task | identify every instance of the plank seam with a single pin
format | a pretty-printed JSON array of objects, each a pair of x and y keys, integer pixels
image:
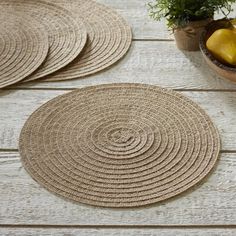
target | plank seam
[
  {"x": 152, "y": 40},
  {"x": 120, "y": 226},
  {"x": 8, "y": 150},
  {"x": 73, "y": 88},
  {"x": 16, "y": 150}
]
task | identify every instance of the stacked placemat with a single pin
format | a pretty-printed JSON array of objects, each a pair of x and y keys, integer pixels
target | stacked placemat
[
  {"x": 58, "y": 40},
  {"x": 23, "y": 47}
]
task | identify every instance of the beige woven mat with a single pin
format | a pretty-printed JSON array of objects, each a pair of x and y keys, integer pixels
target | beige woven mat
[
  {"x": 67, "y": 36},
  {"x": 23, "y": 47},
  {"x": 119, "y": 145},
  {"x": 109, "y": 38}
]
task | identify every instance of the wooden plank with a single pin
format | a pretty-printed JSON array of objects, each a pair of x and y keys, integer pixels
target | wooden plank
[
  {"x": 159, "y": 63},
  {"x": 136, "y": 13},
  {"x": 17, "y": 105},
  {"x": 23, "y": 201},
  {"x": 117, "y": 232}
]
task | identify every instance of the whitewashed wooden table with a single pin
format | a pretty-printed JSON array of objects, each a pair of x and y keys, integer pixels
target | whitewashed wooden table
[{"x": 208, "y": 209}]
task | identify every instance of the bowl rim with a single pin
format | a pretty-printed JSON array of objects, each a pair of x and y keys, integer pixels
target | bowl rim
[{"x": 207, "y": 53}]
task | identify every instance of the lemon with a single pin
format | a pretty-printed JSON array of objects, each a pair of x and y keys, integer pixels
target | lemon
[{"x": 222, "y": 44}]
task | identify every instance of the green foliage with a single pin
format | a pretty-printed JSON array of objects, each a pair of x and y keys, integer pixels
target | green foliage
[{"x": 179, "y": 12}]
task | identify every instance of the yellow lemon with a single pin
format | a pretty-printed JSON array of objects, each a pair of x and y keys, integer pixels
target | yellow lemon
[{"x": 222, "y": 44}]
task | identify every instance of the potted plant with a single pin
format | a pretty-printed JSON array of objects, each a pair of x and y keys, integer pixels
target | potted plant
[{"x": 188, "y": 18}]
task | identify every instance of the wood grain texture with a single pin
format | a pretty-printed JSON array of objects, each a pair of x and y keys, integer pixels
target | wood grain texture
[
  {"x": 117, "y": 232},
  {"x": 23, "y": 201},
  {"x": 152, "y": 59},
  {"x": 136, "y": 13},
  {"x": 17, "y": 105},
  {"x": 153, "y": 62},
  {"x": 159, "y": 63}
]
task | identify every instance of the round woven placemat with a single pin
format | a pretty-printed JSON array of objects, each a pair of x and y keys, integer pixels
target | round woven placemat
[
  {"x": 109, "y": 38},
  {"x": 67, "y": 36},
  {"x": 119, "y": 145},
  {"x": 23, "y": 47}
]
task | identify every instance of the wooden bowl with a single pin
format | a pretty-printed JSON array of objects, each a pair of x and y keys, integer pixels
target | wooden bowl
[{"x": 225, "y": 71}]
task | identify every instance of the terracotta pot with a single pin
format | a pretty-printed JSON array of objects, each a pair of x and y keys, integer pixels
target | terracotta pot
[{"x": 187, "y": 38}]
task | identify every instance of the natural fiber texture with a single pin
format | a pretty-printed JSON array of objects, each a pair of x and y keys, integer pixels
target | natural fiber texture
[
  {"x": 23, "y": 47},
  {"x": 67, "y": 37},
  {"x": 109, "y": 38},
  {"x": 119, "y": 145}
]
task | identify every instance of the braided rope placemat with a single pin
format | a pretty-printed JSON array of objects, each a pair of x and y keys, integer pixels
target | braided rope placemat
[
  {"x": 67, "y": 36},
  {"x": 109, "y": 38},
  {"x": 23, "y": 47},
  {"x": 119, "y": 145}
]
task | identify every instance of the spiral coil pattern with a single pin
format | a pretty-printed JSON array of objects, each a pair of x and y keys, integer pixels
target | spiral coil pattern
[
  {"x": 67, "y": 37},
  {"x": 119, "y": 145},
  {"x": 109, "y": 39},
  {"x": 23, "y": 47}
]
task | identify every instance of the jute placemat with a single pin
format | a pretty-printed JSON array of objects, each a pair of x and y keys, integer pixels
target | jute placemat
[
  {"x": 119, "y": 145},
  {"x": 67, "y": 36},
  {"x": 109, "y": 38},
  {"x": 23, "y": 47}
]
